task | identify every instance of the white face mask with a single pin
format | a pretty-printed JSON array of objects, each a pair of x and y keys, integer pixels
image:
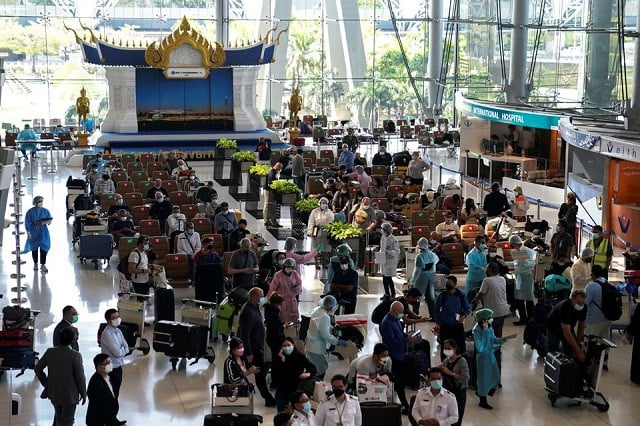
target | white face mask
[
  {"x": 108, "y": 368},
  {"x": 116, "y": 322},
  {"x": 448, "y": 352},
  {"x": 344, "y": 266},
  {"x": 384, "y": 360}
]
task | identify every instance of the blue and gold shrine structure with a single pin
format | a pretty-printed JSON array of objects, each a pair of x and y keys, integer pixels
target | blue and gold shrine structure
[{"x": 181, "y": 92}]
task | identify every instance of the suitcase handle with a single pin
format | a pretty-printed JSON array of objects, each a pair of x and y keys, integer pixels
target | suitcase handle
[
  {"x": 146, "y": 297},
  {"x": 199, "y": 303}
]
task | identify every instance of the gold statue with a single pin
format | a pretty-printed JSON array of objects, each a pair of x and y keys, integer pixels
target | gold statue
[
  {"x": 295, "y": 105},
  {"x": 82, "y": 107}
]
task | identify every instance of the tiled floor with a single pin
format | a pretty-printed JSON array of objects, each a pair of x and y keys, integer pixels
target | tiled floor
[{"x": 152, "y": 392}]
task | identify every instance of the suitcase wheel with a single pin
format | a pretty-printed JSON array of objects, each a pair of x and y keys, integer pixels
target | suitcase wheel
[
  {"x": 552, "y": 399},
  {"x": 174, "y": 362},
  {"x": 210, "y": 358}
]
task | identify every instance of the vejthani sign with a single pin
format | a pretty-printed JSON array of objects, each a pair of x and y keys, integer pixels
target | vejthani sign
[{"x": 510, "y": 116}]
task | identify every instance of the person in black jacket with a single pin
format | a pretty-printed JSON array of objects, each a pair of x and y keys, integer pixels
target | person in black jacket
[
  {"x": 252, "y": 333},
  {"x": 273, "y": 324},
  {"x": 495, "y": 202},
  {"x": 289, "y": 367},
  {"x": 235, "y": 371},
  {"x": 103, "y": 406}
]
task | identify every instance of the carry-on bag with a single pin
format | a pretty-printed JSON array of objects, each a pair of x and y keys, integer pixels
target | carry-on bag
[
  {"x": 232, "y": 419},
  {"x": 164, "y": 304},
  {"x": 96, "y": 247},
  {"x": 21, "y": 338},
  {"x": 224, "y": 317},
  {"x": 561, "y": 375},
  {"x": 415, "y": 364},
  {"x": 180, "y": 340},
  {"x": 388, "y": 415}
]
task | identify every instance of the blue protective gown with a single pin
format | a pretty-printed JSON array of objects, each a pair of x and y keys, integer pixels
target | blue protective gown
[
  {"x": 487, "y": 365},
  {"x": 421, "y": 279},
  {"x": 524, "y": 275},
  {"x": 39, "y": 230},
  {"x": 476, "y": 262}
]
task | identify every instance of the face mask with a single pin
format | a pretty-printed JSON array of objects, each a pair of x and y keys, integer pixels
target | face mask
[
  {"x": 262, "y": 301},
  {"x": 281, "y": 262},
  {"x": 343, "y": 191},
  {"x": 116, "y": 322},
  {"x": 492, "y": 255},
  {"x": 557, "y": 229},
  {"x": 74, "y": 319},
  {"x": 160, "y": 200},
  {"x": 306, "y": 407},
  {"x": 108, "y": 368},
  {"x": 146, "y": 247},
  {"x": 239, "y": 351},
  {"x": 120, "y": 202},
  {"x": 400, "y": 195},
  {"x": 448, "y": 352},
  {"x": 190, "y": 231},
  {"x": 123, "y": 218},
  {"x": 578, "y": 307},
  {"x": 490, "y": 320},
  {"x": 436, "y": 384},
  {"x": 407, "y": 182},
  {"x": 287, "y": 350},
  {"x": 338, "y": 392},
  {"x": 384, "y": 360},
  {"x": 596, "y": 235},
  {"x": 39, "y": 205},
  {"x": 400, "y": 315},
  {"x": 324, "y": 206},
  {"x": 344, "y": 266},
  {"x": 367, "y": 207},
  {"x": 482, "y": 246}
]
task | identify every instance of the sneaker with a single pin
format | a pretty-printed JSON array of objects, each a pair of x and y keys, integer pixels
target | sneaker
[{"x": 43, "y": 269}]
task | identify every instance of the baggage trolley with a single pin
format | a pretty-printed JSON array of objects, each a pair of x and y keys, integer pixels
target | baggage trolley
[
  {"x": 132, "y": 308},
  {"x": 237, "y": 399},
  {"x": 17, "y": 346},
  {"x": 596, "y": 348},
  {"x": 181, "y": 340},
  {"x": 200, "y": 312}
]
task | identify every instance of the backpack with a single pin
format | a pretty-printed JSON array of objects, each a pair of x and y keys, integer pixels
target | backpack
[
  {"x": 378, "y": 313},
  {"x": 82, "y": 202},
  {"x": 123, "y": 265},
  {"x": 16, "y": 317},
  {"x": 554, "y": 283},
  {"x": 611, "y": 301},
  {"x": 401, "y": 158}
]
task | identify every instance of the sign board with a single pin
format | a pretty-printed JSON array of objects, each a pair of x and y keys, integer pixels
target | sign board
[{"x": 508, "y": 115}]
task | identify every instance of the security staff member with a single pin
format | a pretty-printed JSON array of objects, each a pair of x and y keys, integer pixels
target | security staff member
[{"x": 340, "y": 409}]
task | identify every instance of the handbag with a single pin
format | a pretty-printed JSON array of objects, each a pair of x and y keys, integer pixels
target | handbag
[
  {"x": 160, "y": 278},
  {"x": 227, "y": 395},
  {"x": 315, "y": 231}
]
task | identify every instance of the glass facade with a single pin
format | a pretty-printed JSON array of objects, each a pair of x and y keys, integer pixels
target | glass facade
[{"x": 359, "y": 60}]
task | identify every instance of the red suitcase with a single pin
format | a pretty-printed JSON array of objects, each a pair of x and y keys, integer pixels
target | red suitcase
[{"x": 22, "y": 338}]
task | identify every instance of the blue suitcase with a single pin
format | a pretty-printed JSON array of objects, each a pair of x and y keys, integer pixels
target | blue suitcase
[
  {"x": 18, "y": 358},
  {"x": 96, "y": 247}
]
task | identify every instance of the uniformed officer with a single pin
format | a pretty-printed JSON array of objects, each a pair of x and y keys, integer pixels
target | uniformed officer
[
  {"x": 435, "y": 405},
  {"x": 302, "y": 414},
  {"x": 340, "y": 409}
]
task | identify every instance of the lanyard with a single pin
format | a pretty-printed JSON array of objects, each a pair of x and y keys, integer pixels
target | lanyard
[{"x": 344, "y": 406}]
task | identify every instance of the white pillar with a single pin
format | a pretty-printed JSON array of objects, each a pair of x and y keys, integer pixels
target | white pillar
[
  {"x": 246, "y": 116},
  {"x": 121, "y": 115}
]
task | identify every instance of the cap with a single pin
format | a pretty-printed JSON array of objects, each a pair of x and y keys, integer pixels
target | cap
[
  {"x": 587, "y": 252},
  {"x": 484, "y": 314},
  {"x": 514, "y": 239},
  {"x": 343, "y": 250},
  {"x": 289, "y": 262},
  {"x": 329, "y": 302},
  {"x": 387, "y": 227}
]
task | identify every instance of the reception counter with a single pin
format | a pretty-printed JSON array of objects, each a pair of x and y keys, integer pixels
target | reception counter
[{"x": 495, "y": 167}]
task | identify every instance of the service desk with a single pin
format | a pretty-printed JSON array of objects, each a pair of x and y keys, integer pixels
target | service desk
[{"x": 495, "y": 167}]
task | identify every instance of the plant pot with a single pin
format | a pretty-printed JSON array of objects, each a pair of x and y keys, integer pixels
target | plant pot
[
  {"x": 256, "y": 183},
  {"x": 294, "y": 132},
  {"x": 225, "y": 154},
  {"x": 287, "y": 199},
  {"x": 246, "y": 165},
  {"x": 303, "y": 217}
]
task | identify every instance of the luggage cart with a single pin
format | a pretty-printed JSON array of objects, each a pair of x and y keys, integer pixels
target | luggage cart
[
  {"x": 236, "y": 399},
  {"x": 132, "y": 308},
  {"x": 17, "y": 346},
  {"x": 200, "y": 312}
]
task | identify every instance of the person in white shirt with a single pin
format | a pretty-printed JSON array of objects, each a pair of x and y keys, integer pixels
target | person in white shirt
[
  {"x": 376, "y": 366},
  {"x": 175, "y": 221},
  {"x": 113, "y": 343},
  {"x": 302, "y": 414},
  {"x": 581, "y": 270},
  {"x": 434, "y": 405},
  {"x": 189, "y": 243},
  {"x": 506, "y": 223},
  {"x": 341, "y": 409},
  {"x": 449, "y": 231}
]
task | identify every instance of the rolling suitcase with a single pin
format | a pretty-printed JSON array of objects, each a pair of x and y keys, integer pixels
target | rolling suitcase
[
  {"x": 180, "y": 340},
  {"x": 129, "y": 331},
  {"x": 96, "y": 247},
  {"x": 21, "y": 338},
  {"x": 388, "y": 415},
  {"x": 18, "y": 357},
  {"x": 415, "y": 363},
  {"x": 224, "y": 317},
  {"x": 164, "y": 304},
  {"x": 561, "y": 375},
  {"x": 232, "y": 420}
]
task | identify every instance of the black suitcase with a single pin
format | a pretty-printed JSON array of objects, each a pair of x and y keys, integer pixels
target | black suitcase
[
  {"x": 415, "y": 364},
  {"x": 129, "y": 331},
  {"x": 561, "y": 375},
  {"x": 232, "y": 420},
  {"x": 180, "y": 339},
  {"x": 388, "y": 415},
  {"x": 96, "y": 246},
  {"x": 164, "y": 304}
]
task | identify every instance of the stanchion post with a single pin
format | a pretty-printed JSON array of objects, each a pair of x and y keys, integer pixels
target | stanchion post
[
  {"x": 51, "y": 166},
  {"x": 538, "y": 209},
  {"x": 31, "y": 177},
  {"x": 440, "y": 174}
]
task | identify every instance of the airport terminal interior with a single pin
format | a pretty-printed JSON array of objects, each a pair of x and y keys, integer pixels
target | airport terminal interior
[{"x": 562, "y": 73}]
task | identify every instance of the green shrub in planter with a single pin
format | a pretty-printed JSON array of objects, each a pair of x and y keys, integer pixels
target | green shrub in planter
[
  {"x": 342, "y": 231},
  {"x": 285, "y": 187},
  {"x": 224, "y": 143},
  {"x": 307, "y": 206},
  {"x": 243, "y": 156},
  {"x": 259, "y": 169}
]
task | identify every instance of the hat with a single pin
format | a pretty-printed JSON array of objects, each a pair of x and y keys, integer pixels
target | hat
[
  {"x": 518, "y": 189},
  {"x": 587, "y": 252},
  {"x": 514, "y": 239},
  {"x": 423, "y": 243},
  {"x": 387, "y": 227},
  {"x": 484, "y": 314},
  {"x": 343, "y": 250},
  {"x": 329, "y": 302}
]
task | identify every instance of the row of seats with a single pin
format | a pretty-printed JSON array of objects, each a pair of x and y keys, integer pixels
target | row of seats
[{"x": 152, "y": 226}]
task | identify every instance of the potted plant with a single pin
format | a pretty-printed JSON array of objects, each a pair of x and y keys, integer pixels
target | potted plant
[
  {"x": 257, "y": 176},
  {"x": 304, "y": 208},
  {"x": 286, "y": 192},
  {"x": 245, "y": 158},
  {"x": 339, "y": 233},
  {"x": 225, "y": 148}
]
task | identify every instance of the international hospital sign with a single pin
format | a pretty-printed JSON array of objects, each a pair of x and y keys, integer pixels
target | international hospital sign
[{"x": 509, "y": 116}]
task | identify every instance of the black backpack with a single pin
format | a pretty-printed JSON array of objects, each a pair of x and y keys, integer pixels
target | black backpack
[
  {"x": 611, "y": 301},
  {"x": 82, "y": 202},
  {"x": 378, "y": 313},
  {"x": 401, "y": 158},
  {"x": 123, "y": 265}
]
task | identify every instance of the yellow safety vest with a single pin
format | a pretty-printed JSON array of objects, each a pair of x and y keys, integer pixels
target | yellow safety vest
[{"x": 600, "y": 253}]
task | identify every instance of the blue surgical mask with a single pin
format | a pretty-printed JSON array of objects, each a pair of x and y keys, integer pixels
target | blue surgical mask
[
  {"x": 120, "y": 202},
  {"x": 596, "y": 235},
  {"x": 324, "y": 206},
  {"x": 400, "y": 316},
  {"x": 287, "y": 350},
  {"x": 146, "y": 247},
  {"x": 482, "y": 246},
  {"x": 306, "y": 407},
  {"x": 436, "y": 384},
  {"x": 262, "y": 301},
  {"x": 190, "y": 231}
]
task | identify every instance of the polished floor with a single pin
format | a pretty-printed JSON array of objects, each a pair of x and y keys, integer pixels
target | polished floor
[{"x": 153, "y": 393}]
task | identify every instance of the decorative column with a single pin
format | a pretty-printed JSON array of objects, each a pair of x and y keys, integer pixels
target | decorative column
[
  {"x": 436, "y": 26},
  {"x": 516, "y": 90},
  {"x": 121, "y": 115},
  {"x": 599, "y": 84},
  {"x": 632, "y": 120},
  {"x": 222, "y": 22},
  {"x": 246, "y": 116}
]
